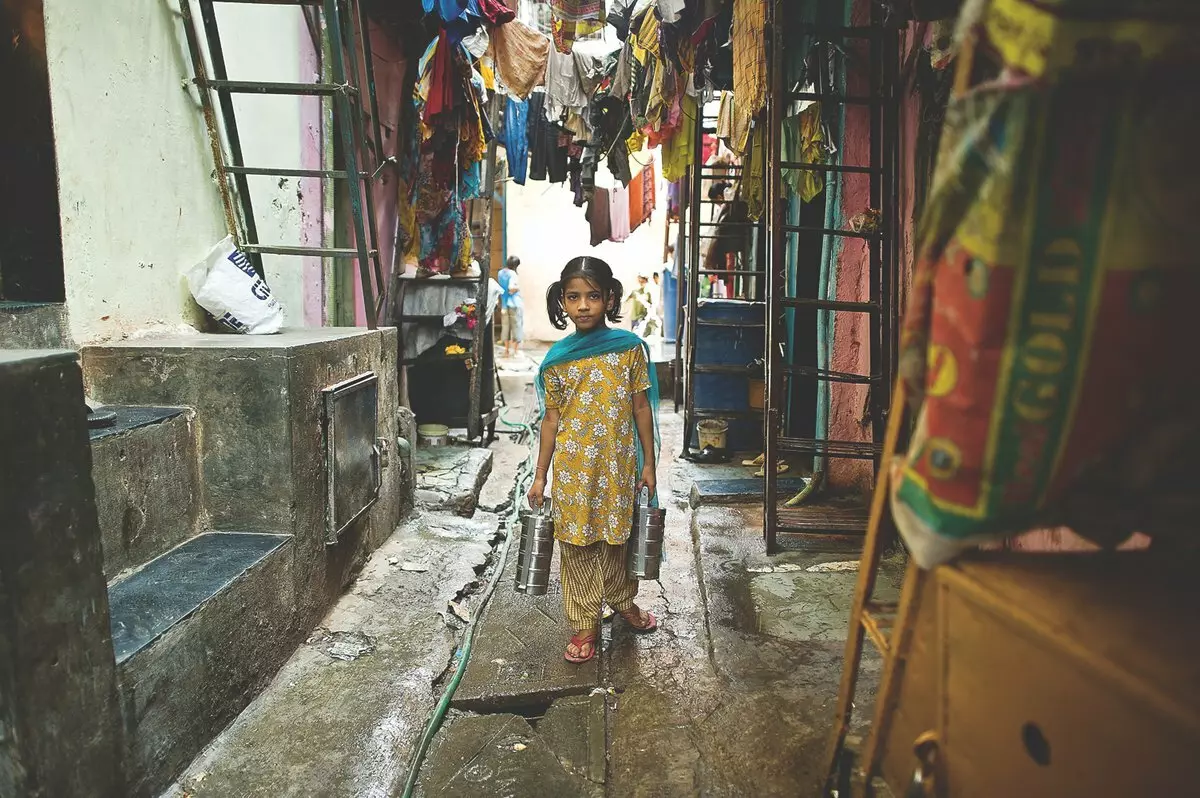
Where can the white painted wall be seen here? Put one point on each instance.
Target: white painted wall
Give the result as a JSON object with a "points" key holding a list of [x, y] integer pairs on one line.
{"points": [[137, 197], [545, 230], [265, 43]]}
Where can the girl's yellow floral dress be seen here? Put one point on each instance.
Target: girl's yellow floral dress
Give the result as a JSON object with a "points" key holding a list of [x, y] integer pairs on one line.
{"points": [[595, 454]]}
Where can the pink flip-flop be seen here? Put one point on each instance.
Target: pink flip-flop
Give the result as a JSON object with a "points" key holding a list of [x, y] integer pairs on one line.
{"points": [[641, 621], [580, 640]]}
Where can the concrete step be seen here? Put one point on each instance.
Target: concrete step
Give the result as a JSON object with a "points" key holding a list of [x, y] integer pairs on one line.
{"points": [[34, 325], [196, 635], [146, 474]]}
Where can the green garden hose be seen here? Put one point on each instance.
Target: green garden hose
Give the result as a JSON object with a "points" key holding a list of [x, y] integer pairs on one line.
{"points": [[443, 706]]}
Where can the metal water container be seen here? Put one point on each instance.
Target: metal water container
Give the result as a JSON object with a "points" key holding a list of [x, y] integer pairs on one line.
{"points": [[643, 553], [536, 551]]}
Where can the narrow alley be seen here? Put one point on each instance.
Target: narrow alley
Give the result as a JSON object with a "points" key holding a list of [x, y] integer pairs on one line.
{"points": [[730, 698], [599, 398]]}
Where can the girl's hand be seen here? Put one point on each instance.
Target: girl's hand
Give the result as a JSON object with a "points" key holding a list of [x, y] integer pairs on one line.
{"points": [[649, 479], [537, 492]]}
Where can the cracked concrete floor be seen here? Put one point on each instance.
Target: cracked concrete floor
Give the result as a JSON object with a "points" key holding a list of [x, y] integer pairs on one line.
{"points": [[732, 697]]}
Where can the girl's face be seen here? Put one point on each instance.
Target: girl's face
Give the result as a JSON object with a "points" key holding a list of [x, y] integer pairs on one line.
{"points": [[585, 304]]}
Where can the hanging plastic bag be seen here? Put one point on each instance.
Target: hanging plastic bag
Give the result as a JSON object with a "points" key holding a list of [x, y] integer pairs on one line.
{"points": [[226, 285]]}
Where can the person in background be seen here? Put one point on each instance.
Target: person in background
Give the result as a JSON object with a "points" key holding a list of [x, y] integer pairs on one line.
{"points": [[658, 300], [512, 307], [642, 311]]}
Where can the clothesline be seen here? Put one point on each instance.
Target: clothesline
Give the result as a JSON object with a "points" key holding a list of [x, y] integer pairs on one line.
{"points": [[590, 104]]}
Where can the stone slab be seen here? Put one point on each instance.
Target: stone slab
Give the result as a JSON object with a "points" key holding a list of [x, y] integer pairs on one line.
{"points": [[497, 756], [738, 491], [517, 657], [170, 588], [574, 728], [451, 477]]}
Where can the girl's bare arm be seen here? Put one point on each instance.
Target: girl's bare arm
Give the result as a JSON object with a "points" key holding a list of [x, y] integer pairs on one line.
{"points": [[643, 418], [546, 437]]}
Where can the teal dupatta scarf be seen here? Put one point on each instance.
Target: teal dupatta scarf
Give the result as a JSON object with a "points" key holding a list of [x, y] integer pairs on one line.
{"points": [[606, 340]]}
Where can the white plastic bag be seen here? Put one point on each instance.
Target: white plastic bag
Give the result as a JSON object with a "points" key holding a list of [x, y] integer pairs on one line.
{"points": [[226, 285]]}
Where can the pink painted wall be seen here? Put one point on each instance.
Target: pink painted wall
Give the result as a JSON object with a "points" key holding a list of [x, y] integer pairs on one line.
{"points": [[389, 64], [311, 221], [849, 416]]}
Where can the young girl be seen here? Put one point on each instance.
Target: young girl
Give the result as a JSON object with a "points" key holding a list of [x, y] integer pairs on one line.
{"points": [[598, 397]]}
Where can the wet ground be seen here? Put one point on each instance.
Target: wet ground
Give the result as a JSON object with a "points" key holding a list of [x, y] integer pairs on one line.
{"points": [[733, 696]]}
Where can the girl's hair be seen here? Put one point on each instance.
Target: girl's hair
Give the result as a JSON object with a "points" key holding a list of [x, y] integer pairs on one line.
{"points": [[596, 272]]}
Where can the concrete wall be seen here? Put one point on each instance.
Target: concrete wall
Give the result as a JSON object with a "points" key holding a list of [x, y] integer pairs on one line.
{"points": [[59, 724], [259, 411], [545, 230], [849, 417], [137, 198]]}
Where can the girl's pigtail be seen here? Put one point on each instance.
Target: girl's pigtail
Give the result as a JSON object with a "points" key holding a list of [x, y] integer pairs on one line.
{"points": [[554, 305], [615, 293]]}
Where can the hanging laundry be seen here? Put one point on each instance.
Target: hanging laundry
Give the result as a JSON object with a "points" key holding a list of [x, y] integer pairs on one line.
{"points": [[495, 12], [671, 10], [622, 82], [649, 189], [636, 216], [448, 10], [520, 54], [516, 138], [749, 64], [442, 170], [575, 19], [755, 184], [647, 33], [547, 153], [677, 153], [619, 213], [575, 172], [442, 95], [577, 126], [619, 14], [803, 142], [590, 69], [599, 216], [562, 82]]}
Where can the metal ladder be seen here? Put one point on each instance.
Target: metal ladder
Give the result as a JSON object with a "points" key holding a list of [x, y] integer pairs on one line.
{"points": [[751, 279], [811, 524], [345, 44]]}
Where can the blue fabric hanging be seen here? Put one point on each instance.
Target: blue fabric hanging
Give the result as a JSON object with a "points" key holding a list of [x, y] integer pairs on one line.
{"points": [[516, 142]]}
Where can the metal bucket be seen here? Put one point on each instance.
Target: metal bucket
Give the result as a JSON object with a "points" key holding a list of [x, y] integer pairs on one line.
{"points": [[433, 435], [643, 553], [535, 552]]}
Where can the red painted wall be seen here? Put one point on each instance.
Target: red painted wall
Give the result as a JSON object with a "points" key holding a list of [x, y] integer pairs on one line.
{"points": [[849, 406]]}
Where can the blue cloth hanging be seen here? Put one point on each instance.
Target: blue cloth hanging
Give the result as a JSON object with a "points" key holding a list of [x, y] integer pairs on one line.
{"points": [[515, 141]]}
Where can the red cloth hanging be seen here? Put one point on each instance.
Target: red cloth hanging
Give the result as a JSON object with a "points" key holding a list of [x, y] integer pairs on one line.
{"points": [[636, 217], [442, 80], [496, 12]]}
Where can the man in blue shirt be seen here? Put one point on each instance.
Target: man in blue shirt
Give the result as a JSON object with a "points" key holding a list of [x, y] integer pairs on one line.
{"points": [[512, 307]]}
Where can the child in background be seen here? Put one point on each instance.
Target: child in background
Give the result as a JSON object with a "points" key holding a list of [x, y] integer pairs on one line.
{"points": [[598, 399]]}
